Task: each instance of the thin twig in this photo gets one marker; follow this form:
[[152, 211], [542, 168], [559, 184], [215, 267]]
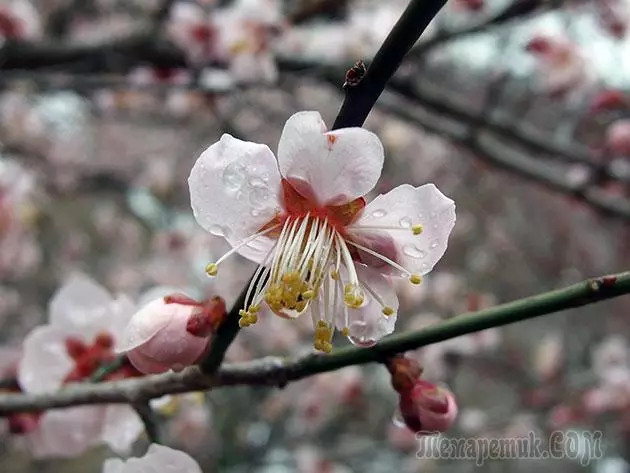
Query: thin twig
[[273, 371], [361, 98]]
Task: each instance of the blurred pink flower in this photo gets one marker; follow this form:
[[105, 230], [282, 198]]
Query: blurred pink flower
[[19, 20], [158, 459], [302, 217], [171, 332], [85, 324], [561, 67], [618, 138]]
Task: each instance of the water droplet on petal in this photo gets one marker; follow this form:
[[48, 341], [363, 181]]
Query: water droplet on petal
[[405, 222], [257, 182], [359, 334], [255, 213], [379, 213], [413, 251], [258, 196], [434, 244], [217, 230], [397, 419], [234, 177]]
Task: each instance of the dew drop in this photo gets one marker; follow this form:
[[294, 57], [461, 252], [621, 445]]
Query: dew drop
[[258, 196], [405, 222], [413, 251], [359, 334], [397, 419], [257, 182], [254, 212], [434, 244], [234, 177], [379, 213], [217, 230]]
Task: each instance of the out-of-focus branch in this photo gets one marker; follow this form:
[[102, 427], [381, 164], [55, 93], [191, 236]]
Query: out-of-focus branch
[[495, 149], [9, 383], [147, 415], [361, 98], [273, 371], [518, 9]]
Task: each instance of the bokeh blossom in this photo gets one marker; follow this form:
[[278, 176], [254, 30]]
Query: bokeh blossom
[[158, 459], [304, 219], [85, 326]]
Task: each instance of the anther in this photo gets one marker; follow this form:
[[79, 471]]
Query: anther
[[417, 229], [415, 279], [212, 269], [388, 311]]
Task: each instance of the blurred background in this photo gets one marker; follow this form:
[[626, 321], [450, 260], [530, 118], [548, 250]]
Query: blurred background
[[516, 109]]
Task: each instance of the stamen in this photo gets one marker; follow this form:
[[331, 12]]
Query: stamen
[[416, 229], [414, 278], [213, 268], [387, 310]]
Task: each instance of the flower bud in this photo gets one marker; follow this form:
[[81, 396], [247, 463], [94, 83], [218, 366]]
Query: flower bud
[[171, 333], [428, 408]]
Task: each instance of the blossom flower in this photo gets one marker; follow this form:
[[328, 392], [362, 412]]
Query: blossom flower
[[158, 459], [85, 327], [561, 66], [19, 19], [304, 219], [171, 332]]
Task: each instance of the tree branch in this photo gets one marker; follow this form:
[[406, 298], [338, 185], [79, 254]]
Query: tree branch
[[273, 371], [361, 98]]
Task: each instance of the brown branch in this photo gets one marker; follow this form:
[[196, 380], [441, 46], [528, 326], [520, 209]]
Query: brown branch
[[273, 371]]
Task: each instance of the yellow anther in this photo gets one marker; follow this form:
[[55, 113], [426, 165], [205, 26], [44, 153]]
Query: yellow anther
[[345, 331], [417, 229], [243, 322], [308, 294], [415, 279], [212, 269], [387, 311], [334, 275], [253, 318], [254, 309], [326, 347], [322, 324]]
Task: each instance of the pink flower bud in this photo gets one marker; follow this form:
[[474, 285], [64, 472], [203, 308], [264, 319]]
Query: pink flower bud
[[170, 333], [618, 138], [428, 408]]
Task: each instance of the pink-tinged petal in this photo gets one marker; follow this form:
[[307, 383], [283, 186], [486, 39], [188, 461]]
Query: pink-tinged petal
[[158, 459], [369, 324], [145, 364], [333, 167], [67, 433], [403, 208], [44, 363], [81, 306], [145, 324], [235, 190], [121, 428], [157, 337]]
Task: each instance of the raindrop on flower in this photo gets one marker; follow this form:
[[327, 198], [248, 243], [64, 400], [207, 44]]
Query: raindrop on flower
[[379, 213], [434, 244], [405, 222], [234, 177], [217, 230], [413, 251], [358, 334]]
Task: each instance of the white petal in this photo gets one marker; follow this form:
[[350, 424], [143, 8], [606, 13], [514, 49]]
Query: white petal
[[81, 305], [44, 363], [67, 433], [113, 465], [121, 428], [403, 207], [122, 310], [336, 166], [144, 325], [368, 324], [235, 189], [166, 460]]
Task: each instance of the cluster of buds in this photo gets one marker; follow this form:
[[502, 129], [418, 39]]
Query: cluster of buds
[[425, 408]]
